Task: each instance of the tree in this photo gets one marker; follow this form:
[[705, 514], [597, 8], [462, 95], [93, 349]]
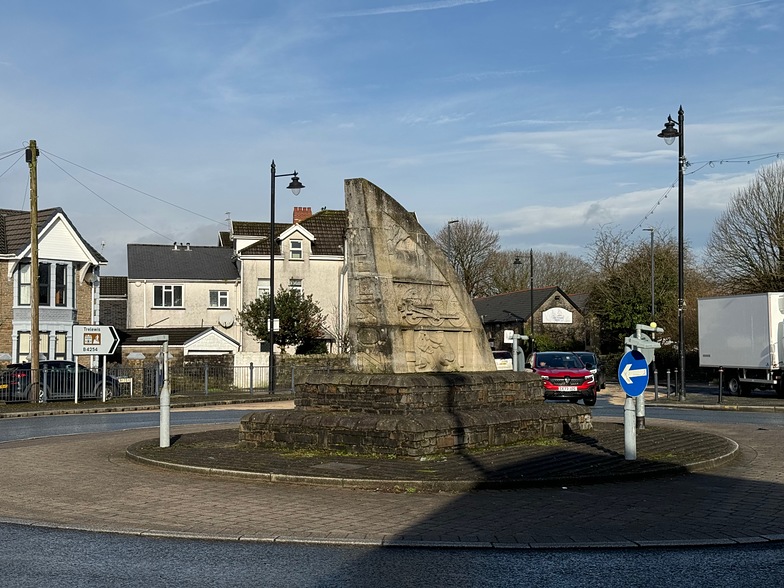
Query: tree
[[571, 273], [621, 296], [745, 250], [470, 246], [300, 318]]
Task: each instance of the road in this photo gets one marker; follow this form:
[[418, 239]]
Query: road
[[51, 557]]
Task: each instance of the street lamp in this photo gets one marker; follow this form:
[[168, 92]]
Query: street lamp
[[669, 134], [295, 186], [531, 265], [517, 263]]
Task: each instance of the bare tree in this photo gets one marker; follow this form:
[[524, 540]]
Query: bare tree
[[513, 271], [471, 248], [745, 250]]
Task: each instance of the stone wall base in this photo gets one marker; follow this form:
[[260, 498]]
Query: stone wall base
[[412, 415]]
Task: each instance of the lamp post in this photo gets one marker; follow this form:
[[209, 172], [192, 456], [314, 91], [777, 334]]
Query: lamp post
[[295, 186], [449, 238], [531, 265], [669, 134], [517, 263], [653, 273]]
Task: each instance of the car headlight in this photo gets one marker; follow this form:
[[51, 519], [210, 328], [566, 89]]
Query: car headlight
[[545, 377]]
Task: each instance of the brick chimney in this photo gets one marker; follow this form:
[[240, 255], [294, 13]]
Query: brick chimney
[[301, 213]]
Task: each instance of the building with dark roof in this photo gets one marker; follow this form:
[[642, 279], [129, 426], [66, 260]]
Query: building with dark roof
[[68, 279], [553, 316]]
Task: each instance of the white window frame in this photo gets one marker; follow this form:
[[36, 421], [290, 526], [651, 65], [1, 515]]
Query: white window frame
[[219, 299], [168, 294], [296, 284], [296, 250], [262, 287]]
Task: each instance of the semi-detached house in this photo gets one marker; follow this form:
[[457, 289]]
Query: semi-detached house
[[68, 283]]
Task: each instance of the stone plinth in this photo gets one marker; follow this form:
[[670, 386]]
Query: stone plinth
[[412, 415]]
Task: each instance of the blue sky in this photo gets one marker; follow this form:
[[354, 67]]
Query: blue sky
[[539, 118]]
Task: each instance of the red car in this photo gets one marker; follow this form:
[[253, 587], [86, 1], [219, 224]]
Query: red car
[[565, 376]]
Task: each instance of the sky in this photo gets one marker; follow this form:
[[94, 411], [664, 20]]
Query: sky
[[157, 120]]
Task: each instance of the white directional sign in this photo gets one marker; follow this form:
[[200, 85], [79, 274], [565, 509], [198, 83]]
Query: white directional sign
[[94, 340]]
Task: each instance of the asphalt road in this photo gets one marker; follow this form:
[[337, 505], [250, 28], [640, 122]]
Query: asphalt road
[[45, 558]]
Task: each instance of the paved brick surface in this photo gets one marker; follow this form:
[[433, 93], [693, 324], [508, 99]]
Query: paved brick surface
[[86, 482]]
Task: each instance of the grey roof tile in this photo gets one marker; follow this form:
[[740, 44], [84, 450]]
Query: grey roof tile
[[164, 262]]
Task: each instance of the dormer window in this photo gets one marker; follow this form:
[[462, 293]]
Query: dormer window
[[295, 249]]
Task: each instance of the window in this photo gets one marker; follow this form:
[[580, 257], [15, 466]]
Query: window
[[24, 284], [23, 345], [60, 345], [295, 249], [167, 296], [60, 284], [219, 298], [45, 290], [295, 284], [263, 287], [44, 284]]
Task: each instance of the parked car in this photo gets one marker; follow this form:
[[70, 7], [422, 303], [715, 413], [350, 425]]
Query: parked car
[[503, 360], [565, 377], [56, 382], [594, 364]]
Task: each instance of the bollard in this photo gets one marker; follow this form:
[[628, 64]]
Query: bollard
[[668, 383], [629, 432], [677, 387], [721, 382], [251, 378]]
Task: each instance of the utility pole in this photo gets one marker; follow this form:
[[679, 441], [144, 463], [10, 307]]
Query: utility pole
[[31, 156]]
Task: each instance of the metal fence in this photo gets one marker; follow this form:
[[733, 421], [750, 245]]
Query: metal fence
[[198, 381]]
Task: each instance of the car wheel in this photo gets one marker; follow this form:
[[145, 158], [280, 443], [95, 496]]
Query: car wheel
[[39, 390], [590, 401], [98, 391]]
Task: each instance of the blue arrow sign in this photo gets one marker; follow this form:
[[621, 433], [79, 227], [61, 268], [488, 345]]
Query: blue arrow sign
[[633, 373]]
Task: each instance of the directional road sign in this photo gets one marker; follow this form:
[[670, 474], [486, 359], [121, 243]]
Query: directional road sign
[[633, 373], [94, 340]]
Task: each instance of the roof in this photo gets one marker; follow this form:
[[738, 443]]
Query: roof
[[328, 228], [115, 286], [514, 306], [15, 230], [181, 262], [177, 336]]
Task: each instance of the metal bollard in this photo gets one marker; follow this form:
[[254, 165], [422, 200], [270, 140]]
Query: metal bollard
[[668, 383], [721, 382], [676, 385], [251, 378]]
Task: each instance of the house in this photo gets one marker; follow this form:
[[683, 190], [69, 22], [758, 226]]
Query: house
[[309, 257], [68, 283], [183, 286], [554, 316]]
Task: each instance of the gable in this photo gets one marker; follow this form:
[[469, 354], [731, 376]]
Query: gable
[[210, 341], [59, 242]]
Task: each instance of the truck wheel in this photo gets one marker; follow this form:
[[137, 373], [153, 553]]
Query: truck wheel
[[734, 386]]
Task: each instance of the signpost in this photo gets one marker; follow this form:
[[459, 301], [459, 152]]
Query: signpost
[[93, 340], [164, 437]]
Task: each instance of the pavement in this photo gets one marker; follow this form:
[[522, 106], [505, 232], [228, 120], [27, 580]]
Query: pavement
[[691, 484]]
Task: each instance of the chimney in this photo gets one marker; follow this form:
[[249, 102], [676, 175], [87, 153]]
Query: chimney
[[301, 213]]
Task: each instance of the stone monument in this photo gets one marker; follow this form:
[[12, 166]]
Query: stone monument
[[422, 380]]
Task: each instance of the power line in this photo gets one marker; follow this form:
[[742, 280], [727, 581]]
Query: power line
[[106, 201], [128, 187]]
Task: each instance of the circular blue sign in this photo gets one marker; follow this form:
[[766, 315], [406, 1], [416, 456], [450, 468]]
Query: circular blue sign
[[633, 373]]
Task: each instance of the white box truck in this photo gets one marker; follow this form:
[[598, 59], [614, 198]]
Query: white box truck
[[745, 336]]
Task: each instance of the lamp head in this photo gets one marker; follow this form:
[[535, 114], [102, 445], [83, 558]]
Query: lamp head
[[295, 185], [669, 132]]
